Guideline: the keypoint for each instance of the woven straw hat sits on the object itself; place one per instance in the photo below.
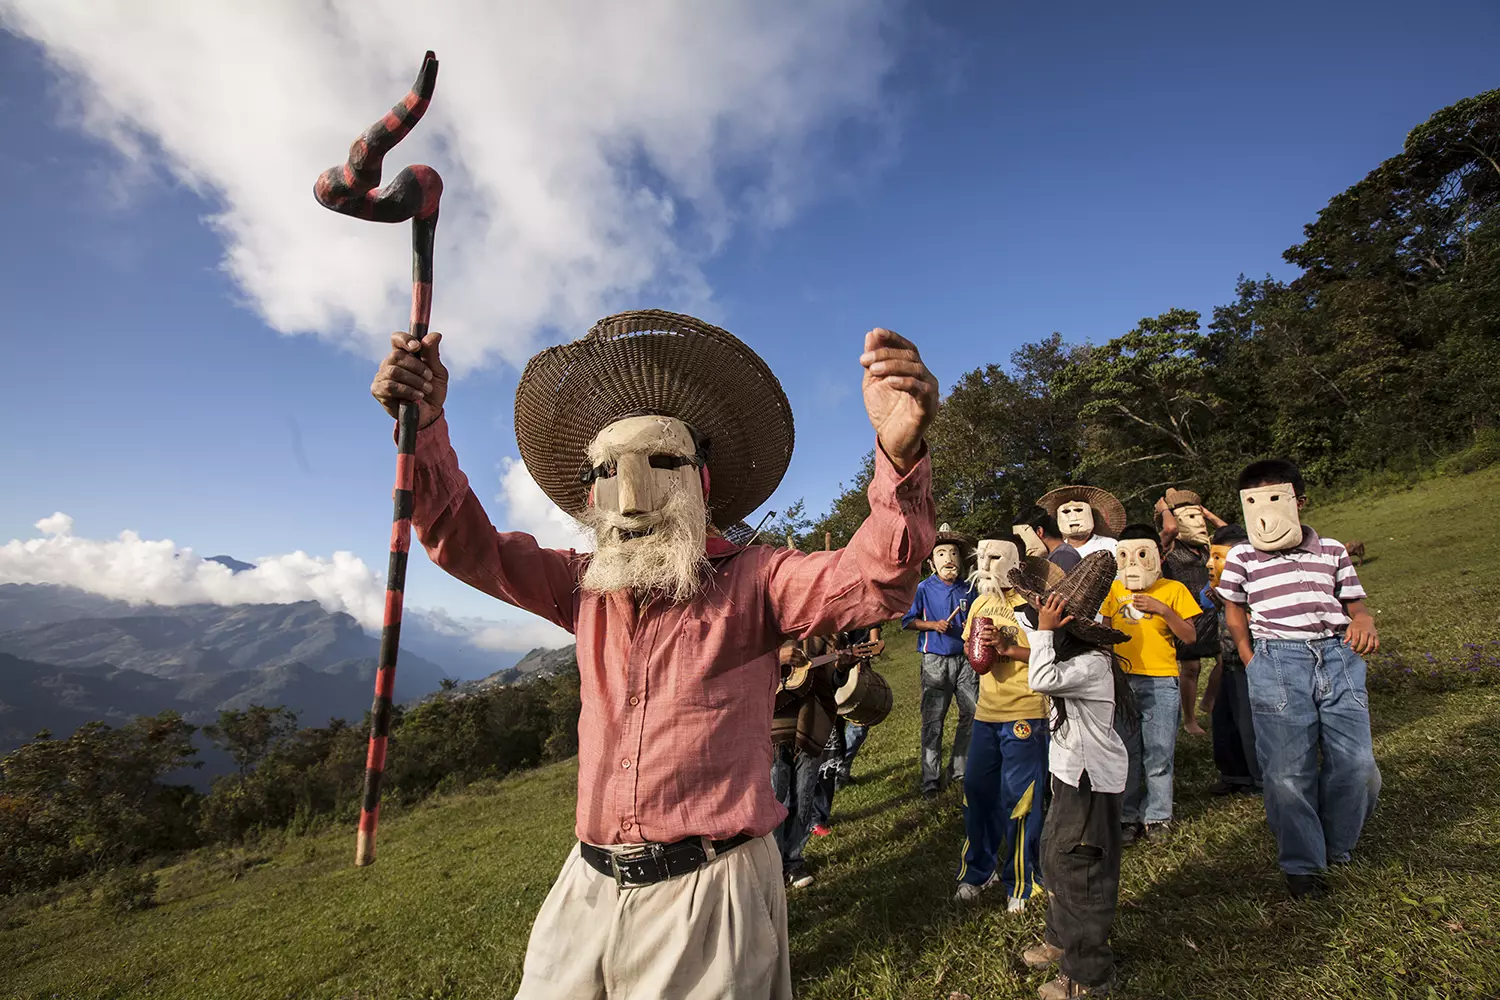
(665, 363)
(947, 536)
(1083, 591)
(1107, 510)
(1182, 498)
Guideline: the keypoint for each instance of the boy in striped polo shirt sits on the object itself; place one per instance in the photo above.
(1296, 610)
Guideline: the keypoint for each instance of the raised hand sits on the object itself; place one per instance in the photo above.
(901, 395)
(403, 377)
(1053, 614)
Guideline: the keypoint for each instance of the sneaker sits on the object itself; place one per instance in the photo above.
(1225, 788)
(1015, 904)
(929, 793)
(1306, 886)
(1039, 956)
(821, 830)
(1062, 988)
(1130, 833)
(967, 892)
(1155, 831)
(800, 879)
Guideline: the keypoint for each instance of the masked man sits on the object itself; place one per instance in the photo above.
(1152, 612)
(1006, 779)
(1089, 518)
(1296, 610)
(1185, 536)
(939, 612)
(649, 430)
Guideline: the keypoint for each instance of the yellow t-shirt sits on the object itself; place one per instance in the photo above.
(1004, 695)
(1150, 650)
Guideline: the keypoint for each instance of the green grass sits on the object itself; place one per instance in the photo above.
(446, 911)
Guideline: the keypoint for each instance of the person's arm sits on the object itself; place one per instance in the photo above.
(453, 527)
(1238, 620)
(1168, 524)
(1361, 635)
(1183, 629)
(912, 620)
(1214, 519)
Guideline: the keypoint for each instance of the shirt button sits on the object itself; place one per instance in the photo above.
(634, 700)
(626, 825)
(625, 763)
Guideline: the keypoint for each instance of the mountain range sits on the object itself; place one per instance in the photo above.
(67, 657)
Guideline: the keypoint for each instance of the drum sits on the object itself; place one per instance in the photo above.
(865, 699)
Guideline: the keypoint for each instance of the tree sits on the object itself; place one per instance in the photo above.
(250, 735)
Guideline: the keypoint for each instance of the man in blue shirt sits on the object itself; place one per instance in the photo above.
(938, 613)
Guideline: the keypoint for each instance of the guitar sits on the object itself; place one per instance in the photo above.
(797, 678)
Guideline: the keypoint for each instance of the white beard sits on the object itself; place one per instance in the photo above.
(670, 561)
(986, 583)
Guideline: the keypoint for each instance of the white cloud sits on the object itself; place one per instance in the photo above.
(532, 511)
(144, 571)
(594, 154)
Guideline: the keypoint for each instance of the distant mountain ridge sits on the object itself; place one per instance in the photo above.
(67, 657)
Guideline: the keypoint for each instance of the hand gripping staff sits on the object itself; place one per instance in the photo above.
(412, 194)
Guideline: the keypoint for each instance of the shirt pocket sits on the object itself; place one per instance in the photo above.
(702, 671)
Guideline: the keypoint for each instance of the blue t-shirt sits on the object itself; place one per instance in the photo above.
(935, 601)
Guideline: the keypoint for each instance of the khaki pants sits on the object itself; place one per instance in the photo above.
(718, 933)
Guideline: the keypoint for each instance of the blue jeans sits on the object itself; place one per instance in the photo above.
(854, 738)
(1004, 788)
(794, 781)
(945, 678)
(1307, 696)
(1152, 746)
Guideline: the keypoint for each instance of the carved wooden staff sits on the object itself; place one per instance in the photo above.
(412, 194)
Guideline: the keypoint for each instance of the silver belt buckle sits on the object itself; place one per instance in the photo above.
(653, 851)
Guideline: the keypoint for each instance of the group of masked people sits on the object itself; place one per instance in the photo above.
(1084, 636)
(657, 432)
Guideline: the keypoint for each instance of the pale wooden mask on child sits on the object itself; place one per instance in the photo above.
(1140, 563)
(994, 558)
(1075, 519)
(1034, 544)
(947, 560)
(1272, 516)
(1192, 526)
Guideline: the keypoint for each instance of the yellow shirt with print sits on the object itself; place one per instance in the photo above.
(1150, 650)
(1004, 695)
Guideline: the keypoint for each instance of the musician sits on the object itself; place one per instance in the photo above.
(863, 644)
(802, 729)
(649, 429)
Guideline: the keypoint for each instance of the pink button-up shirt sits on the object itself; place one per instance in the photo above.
(674, 738)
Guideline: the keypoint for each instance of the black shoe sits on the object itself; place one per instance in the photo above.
(1156, 831)
(1225, 788)
(1306, 886)
(1130, 833)
(930, 793)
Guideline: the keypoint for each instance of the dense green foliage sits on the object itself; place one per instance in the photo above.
(1382, 357)
(101, 798)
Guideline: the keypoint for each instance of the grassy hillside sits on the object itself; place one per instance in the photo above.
(446, 911)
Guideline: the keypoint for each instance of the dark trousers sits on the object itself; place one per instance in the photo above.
(1081, 867)
(828, 772)
(1234, 731)
(794, 780)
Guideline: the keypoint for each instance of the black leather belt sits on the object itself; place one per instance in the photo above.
(652, 863)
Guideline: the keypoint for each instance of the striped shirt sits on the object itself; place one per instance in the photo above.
(1296, 594)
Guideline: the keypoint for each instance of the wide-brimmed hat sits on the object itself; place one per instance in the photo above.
(1083, 590)
(1107, 509)
(656, 362)
(947, 536)
(1182, 498)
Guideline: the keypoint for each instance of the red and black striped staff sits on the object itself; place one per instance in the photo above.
(412, 194)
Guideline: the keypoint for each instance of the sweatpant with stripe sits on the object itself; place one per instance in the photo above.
(1004, 789)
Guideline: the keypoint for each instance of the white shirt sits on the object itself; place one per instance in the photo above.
(1087, 741)
(1096, 543)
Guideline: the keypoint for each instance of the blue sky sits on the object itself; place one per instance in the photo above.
(1068, 169)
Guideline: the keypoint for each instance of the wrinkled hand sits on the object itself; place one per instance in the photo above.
(1148, 605)
(1361, 635)
(901, 395)
(1053, 614)
(403, 377)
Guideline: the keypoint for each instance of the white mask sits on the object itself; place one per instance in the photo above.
(993, 561)
(947, 561)
(1034, 544)
(1076, 520)
(648, 516)
(1192, 526)
(1140, 563)
(1272, 517)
